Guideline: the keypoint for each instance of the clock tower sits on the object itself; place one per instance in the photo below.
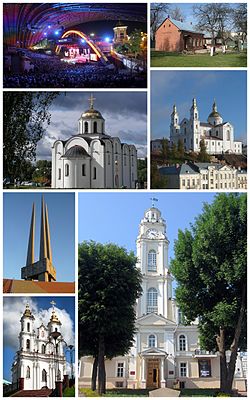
(152, 254)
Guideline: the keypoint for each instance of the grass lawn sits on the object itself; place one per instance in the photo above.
(69, 392)
(164, 59)
(117, 393)
(200, 393)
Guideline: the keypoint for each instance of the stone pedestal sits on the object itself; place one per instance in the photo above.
(59, 388)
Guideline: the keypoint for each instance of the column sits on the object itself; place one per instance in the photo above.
(163, 382)
(143, 373)
(34, 377)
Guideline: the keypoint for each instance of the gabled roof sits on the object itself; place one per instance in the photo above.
(153, 351)
(21, 286)
(182, 26)
(154, 319)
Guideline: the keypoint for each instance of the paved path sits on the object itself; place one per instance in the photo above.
(164, 392)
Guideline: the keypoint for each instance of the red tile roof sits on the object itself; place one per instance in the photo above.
(21, 286)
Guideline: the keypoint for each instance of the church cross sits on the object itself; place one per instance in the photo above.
(91, 101)
(53, 303)
(153, 199)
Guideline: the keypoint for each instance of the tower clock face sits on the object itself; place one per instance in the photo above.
(152, 233)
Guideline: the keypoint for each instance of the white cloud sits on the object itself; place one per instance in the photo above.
(13, 310)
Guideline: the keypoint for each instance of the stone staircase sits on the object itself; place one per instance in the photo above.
(33, 393)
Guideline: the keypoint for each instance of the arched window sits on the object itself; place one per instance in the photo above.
(182, 343)
(95, 127)
(43, 348)
(28, 326)
(44, 376)
(94, 173)
(116, 148)
(86, 127)
(152, 260)
(83, 169)
(59, 173)
(151, 341)
(152, 301)
(228, 134)
(66, 169)
(27, 344)
(28, 372)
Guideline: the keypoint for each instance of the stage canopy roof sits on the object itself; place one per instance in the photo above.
(25, 24)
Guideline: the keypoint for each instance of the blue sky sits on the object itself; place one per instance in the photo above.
(16, 219)
(228, 88)
(187, 10)
(41, 309)
(125, 115)
(115, 217)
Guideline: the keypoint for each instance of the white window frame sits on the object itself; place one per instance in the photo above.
(152, 300)
(120, 369)
(152, 261)
(183, 367)
(150, 337)
(179, 343)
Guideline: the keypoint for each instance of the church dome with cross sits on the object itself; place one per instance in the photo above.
(92, 159)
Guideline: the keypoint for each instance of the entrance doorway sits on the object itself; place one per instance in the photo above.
(153, 373)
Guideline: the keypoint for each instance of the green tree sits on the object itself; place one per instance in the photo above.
(157, 180)
(25, 115)
(203, 156)
(165, 150)
(174, 151)
(42, 173)
(180, 149)
(240, 20)
(210, 266)
(135, 42)
(142, 172)
(109, 284)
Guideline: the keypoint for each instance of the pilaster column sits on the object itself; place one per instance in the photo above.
(143, 373)
(163, 382)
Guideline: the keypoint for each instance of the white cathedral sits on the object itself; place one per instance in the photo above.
(40, 361)
(91, 159)
(217, 135)
(166, 353)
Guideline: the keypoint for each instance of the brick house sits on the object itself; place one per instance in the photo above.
(175, 35)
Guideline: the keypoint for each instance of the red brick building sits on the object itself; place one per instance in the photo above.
(177, 36)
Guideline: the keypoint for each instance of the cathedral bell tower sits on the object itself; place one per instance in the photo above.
(195, 127)
(174, 126)
(27, 334)
(152, 253)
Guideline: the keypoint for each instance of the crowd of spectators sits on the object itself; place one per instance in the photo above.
(51, 72)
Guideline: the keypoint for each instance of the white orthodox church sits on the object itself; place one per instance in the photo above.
(165, 353)
(91, 159)
(217, 135)
(40, 361)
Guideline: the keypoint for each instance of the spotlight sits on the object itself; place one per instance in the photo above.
(82, 40)
(107, 39)
(56, 32)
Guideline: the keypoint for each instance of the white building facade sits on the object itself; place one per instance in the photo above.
(40, 361)
(217, 135)
(91, 159)
(165, 353)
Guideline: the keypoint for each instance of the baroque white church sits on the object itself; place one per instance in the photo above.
(91, 159)
(166, 353)
(217, 134)
(40, 361)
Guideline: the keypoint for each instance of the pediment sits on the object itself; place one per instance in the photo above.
(153, 351)
(154, 319)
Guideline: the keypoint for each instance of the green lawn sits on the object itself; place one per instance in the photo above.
(117, 393)
(69, 392)
(164, 59)
(201, 393)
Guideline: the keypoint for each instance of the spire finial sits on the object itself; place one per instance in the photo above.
(214, 106)
(53, 303)
(153, 199)
(30, 253)
(91, 101)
